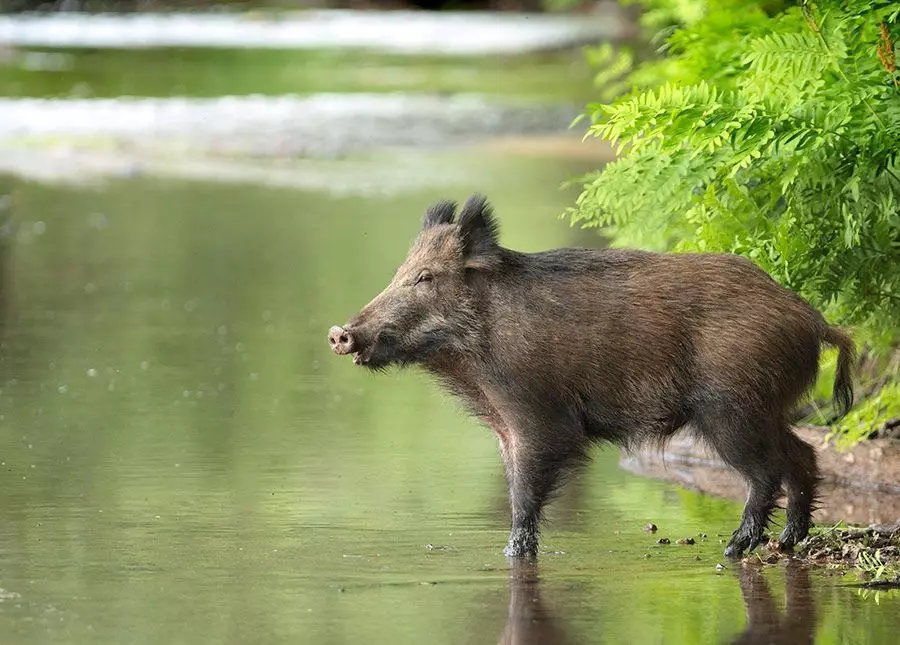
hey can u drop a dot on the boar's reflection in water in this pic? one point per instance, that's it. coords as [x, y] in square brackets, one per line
[532, 620]
[559, 349]
[765, 623]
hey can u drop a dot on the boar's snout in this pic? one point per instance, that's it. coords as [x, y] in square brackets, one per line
[341, 340]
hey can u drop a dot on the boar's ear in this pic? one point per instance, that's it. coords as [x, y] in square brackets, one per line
[440, 213]
[478, 230]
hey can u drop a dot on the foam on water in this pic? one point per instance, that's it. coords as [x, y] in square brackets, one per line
[322, 125]
[466, 34]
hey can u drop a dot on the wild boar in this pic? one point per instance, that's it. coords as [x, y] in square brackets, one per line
[561, 349]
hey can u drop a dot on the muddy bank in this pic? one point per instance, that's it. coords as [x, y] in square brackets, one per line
[872, 552]
[860, 486]
[559, 145]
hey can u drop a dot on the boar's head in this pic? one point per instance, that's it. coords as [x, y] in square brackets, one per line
[428, 310]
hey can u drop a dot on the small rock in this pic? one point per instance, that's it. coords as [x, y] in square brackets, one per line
[647, 555]
[720, 567]
[685, 540]
[432, 547]
[651, 528]
[663, 541]
[702, 536]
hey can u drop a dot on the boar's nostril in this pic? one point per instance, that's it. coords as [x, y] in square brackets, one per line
[340, 339]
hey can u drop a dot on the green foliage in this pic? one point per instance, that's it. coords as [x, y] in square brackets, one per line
[875, 569]
[771, 136]
[562, 5]
[868, 417]
[768, 132]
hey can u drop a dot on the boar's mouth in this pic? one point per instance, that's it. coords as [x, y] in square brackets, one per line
[379, 353]
[363, 356]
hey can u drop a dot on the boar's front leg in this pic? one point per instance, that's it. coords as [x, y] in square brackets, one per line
[536, 459]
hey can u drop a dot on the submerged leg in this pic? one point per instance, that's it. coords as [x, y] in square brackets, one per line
[751, 448]
[529, 484]
[533, 472]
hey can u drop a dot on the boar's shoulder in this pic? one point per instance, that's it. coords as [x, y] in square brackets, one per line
[574, 261]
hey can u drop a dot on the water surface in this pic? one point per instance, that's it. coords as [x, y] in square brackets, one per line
[184, 461]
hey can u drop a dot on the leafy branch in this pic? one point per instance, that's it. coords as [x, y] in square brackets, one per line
[773, 134]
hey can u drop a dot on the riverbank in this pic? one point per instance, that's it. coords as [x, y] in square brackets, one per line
[860, 485]
[873, 551]
[858, 510]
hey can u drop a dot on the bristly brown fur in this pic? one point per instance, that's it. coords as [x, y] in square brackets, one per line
[441, 212]
[560, 349]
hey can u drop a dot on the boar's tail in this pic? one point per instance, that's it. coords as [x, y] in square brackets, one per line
[843, 380]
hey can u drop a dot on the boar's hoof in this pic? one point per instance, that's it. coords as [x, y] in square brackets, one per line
[791, 535]
[341, 340]
[733, 551]
[743, 540]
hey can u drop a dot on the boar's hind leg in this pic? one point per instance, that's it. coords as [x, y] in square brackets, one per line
[751, 448]
[534, 469]
[801, 477]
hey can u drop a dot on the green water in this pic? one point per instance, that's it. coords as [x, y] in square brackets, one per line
[209, 73]
[184, 460]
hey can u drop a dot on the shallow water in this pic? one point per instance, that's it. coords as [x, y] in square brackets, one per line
[184, 461]
[84, 73]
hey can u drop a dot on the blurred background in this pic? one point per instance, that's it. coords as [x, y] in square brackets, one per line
[236, 5]
[191, 193]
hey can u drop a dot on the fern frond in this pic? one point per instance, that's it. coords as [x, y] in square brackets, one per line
[777, 137]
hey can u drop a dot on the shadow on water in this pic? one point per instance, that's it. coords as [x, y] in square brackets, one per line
[532, 620]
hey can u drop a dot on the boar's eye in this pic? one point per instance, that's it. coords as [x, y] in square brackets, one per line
[424, 276]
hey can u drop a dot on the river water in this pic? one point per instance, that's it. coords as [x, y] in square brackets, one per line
[183, 460]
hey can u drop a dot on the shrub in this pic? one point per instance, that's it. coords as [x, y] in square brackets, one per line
[770, 132]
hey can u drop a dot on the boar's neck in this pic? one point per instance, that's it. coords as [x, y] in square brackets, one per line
[510, 300]
[523, 310]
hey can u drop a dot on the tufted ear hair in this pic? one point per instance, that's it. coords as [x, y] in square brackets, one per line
[441, 212]
[478, 229]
